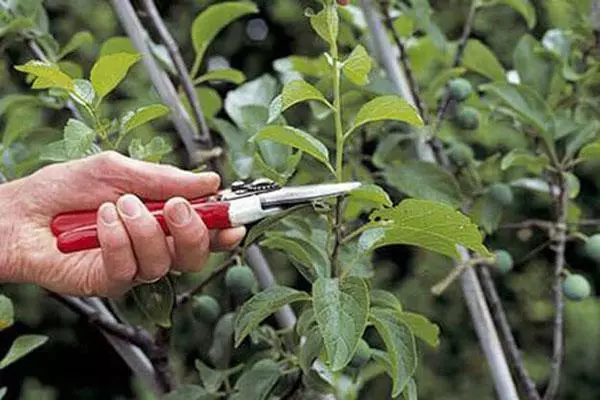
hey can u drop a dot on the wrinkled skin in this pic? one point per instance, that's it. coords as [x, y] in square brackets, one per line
[133, 249]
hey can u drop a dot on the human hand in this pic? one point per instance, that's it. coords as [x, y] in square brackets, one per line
[133, 249]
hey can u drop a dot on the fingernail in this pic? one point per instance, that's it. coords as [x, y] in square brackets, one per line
[180, 213]
[108, 214]
[129, 206]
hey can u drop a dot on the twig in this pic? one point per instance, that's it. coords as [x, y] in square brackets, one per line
[182, 72]
[529, 223]
[160, 359]
[410, 77]
[560, 240]
[160, 80]
[455, 272]
[123, 338]
[187, 295]
[514, 353]
[139, 337]
[480, 314]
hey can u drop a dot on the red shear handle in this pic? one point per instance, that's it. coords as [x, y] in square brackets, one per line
[71, 221]
[215, 216]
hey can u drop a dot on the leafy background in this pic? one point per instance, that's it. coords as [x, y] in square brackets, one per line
[77, 363]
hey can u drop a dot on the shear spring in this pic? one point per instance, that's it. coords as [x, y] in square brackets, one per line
[259, 185]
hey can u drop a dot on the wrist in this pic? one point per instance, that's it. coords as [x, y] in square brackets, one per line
[11, 212]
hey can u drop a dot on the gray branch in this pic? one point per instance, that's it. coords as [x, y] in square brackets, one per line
[480, 313]
[182, 72]
[160, 80]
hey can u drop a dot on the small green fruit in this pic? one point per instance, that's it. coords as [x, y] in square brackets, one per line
[503, 261]
[467, 118]
[592, 247]
[362, 355]
[240, 280]
[206, 308]
[502, 193]
[460, 153]
[460, 89]
[576, 287]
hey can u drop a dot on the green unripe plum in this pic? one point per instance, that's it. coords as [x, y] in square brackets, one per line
[460, 89]
[206, 308]
[467, 118]
[576, 287]
[592, 247]
[503, 261]
[502, 193]
[362, 355]
[240, 280]
[460, 153]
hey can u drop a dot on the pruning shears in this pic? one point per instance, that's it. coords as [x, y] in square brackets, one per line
[244, 202]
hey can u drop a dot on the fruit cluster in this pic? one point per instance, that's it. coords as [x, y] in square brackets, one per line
[464, 116]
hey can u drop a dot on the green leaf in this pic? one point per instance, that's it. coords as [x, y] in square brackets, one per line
[78, 40]
[299, 255]
[422, 328]
[400, 346]
[153, 151]
[526, 104]
[305, 321]
[535, 67]
[141, 116]
[16, 25]
[384, 299]
[110, 70]
[341, 309]
[257, 382]
[213, 379]
[79, 139]
[156, 300]
[371, 193]
[295, 138]
[410, 391]
[266, 224]
[117, 44]
[3, 392]
[6, 312]
[584, 135]
[523, 7]
[226, 74]
[386, 108]
[47, 75]
[261, 305]
[404, 25]
[425, 180]
[258, 92]
[298, 91]
[190, 392]
[83, 91]
[21, 121]
[487, 213]
[521, 158]
[22, 346]
[590, 151]
[326, 23]
[213, 20]
[479, 58]
[310, 350]
[431, 225]
[358, 65]
[55, 152]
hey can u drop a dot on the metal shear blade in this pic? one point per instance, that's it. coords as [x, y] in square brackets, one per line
[300, 194]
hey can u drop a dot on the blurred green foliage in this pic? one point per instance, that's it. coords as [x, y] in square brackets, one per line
[77, 363]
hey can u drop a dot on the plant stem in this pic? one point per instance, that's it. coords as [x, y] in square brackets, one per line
[516, 358]
[560, 239]
[186, 296]
[182, 72]
[339, 132]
